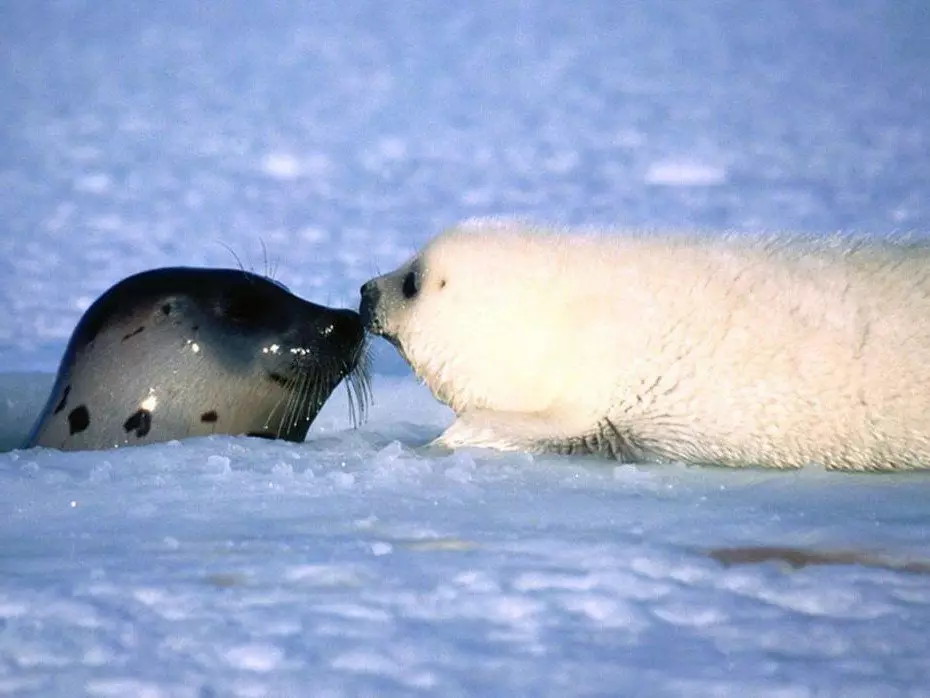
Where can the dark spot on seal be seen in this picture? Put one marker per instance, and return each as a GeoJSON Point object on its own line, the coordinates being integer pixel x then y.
{"type": "Point", "coordinates": [133, 333]}
{"type": "Point", "coordinates": [260, 435]}
{"type": "Point", "coordinates": [442, 283]}
{"type": "Point", "coordinates": [78, 419]}
{"type": "Point", "coordinates": [195, 328]}
{"type": "Point", "coordinates": [139, 421]}
{"type": "Point", "coordinates": [64, 400]}
{"type": "Point", "coordinates": [411, 284]}
{"type": "Point", "coordinates": [209, 417]}
{"type": "Point", "coordinates": [166, 308]}
{"type": "Point", "coordinates": [278, 378]}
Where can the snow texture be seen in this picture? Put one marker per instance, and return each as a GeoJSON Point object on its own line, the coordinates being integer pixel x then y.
{"type": "Point", "coordinates": [340, 135]}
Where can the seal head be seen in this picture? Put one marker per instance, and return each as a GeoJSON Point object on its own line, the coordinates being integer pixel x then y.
{"type": "Point", "coordinates": [178, 352]}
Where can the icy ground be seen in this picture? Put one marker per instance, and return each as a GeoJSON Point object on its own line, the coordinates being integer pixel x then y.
{"type": "Point", "coordinates": [342, 135]}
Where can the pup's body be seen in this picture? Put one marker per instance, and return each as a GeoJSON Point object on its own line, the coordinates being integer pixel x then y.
{"type": "Point", "coordinates": [733, 350]}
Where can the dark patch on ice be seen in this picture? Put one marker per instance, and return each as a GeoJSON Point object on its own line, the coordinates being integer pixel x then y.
{"type": "Point", "coordinates": [226, 580]}
{"type": "Point", "coordinates": [209, 417]}
{"type": "Point", "coordinates": [796, 558]}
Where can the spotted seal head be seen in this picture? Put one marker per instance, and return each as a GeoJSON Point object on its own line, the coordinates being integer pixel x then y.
{"type": "Point", "coordinates": [179, 352]}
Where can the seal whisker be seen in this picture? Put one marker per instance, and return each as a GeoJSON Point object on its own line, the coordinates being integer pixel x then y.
{"type": "Point", "coordinates": [353, 399]}
{"type": "Point", "coordinates": [286, 401]}
{"type": "Point", "coordinates": [283, 404]}
{"type": "Point", "coordinates": [295, 401]}
{"type": "Point", "coordinates": [318, 390]}
{"type": "Point", "coordinates": [233, 253]}
{"type": "Point", "coordinates": [360, 384]}
{"type": "Point", "coordinates": [296, 392]}
{"type": "Point", "coordinates": [280, 403]}
{"type": "Point", "coordinates": [265, 273]}
{"type": "Point", "coordinates": [358, 387]}
{"type": "Point", "coordinates": [269, 266]}
{"type": "Point", "coordinates": [309, 397]}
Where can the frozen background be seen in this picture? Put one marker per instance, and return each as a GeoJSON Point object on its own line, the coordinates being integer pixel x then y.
{"type": "Point", "coordinates": [343, 134]}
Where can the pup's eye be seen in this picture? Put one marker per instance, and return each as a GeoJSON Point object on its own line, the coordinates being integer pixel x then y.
{"type": "Point", "coordinates": [411, 284]}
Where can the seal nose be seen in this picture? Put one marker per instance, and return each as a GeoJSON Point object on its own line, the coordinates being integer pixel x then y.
{"type": "Point", "coordinates": [366, 307]}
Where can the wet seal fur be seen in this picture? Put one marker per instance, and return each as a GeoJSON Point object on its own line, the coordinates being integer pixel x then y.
{"type": "Point", "coordinates": [733, 350]}
{"type": "Point", "coordinates": [178, 352]}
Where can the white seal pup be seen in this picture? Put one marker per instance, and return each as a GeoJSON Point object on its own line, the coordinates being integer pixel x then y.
{"type": "Point", "coordinates": [733, 350]}
{"type": "Point", "coordinates": [177, 352]}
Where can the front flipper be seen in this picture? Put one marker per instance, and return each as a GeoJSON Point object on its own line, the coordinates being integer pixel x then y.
{"type": "Point", "coordinates": [539, 432]}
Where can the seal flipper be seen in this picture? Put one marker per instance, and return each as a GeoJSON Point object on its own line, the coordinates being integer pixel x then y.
{"type": "Point", "coordinates": [544, 433]}
{"type": "Point", "coordinates": [513, 431]}
{"type": "Point", "coordinates": [507, 431]}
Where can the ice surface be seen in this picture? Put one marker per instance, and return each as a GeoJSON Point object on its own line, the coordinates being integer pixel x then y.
{"type": "Point", "coordinates": [341, 135]}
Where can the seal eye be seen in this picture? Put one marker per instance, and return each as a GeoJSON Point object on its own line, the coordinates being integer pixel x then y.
{"type": "Point", "coordinates": [411, 284]}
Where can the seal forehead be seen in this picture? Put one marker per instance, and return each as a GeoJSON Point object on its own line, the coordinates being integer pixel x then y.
{"type": "Point", "coordinates": [457, 251]}
{"type": "Point", "coordinates": [484, 261]}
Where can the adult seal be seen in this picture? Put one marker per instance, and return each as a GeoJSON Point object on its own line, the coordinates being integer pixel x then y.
{"type": "Point", "coordinates": [735, 350]}
{"type": "Point", "coordinates": [178, 352]}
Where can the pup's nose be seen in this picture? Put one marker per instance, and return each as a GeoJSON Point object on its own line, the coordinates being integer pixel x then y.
{"type": "Point", "coordinates": [366, 308]}
{"type": "Point", "coordinates": [369, 289]}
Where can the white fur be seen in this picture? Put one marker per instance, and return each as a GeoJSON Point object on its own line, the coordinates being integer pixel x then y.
{"type": "Point", "coordinates": [733, 350]}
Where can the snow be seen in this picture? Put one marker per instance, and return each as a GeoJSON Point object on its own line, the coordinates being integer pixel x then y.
{"type": "Point", "coordinates": [339, 136]}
